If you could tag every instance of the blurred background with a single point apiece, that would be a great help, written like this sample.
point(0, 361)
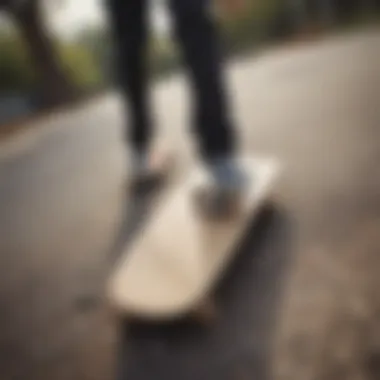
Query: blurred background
point(54, 52)
point(302, 300)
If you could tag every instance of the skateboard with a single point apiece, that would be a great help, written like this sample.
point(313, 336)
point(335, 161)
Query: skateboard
point(171, 267)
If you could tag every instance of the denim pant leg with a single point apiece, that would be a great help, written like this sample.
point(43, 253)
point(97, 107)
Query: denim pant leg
point(129, 24)
point(196, 32)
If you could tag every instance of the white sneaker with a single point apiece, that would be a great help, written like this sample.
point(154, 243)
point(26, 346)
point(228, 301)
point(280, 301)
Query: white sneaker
point(224, 198)
point(228, 177)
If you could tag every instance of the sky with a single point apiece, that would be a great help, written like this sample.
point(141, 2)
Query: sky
point(72, 15)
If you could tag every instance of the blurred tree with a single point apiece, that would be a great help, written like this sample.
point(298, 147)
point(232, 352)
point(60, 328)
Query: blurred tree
point(28, 17)
point(16, 74)
point(98, 42)
point(81, 67)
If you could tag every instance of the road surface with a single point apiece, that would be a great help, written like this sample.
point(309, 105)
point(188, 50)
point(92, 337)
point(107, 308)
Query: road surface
point(64, 214)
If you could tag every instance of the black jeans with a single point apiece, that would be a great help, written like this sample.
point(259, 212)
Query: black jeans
point(196, 34)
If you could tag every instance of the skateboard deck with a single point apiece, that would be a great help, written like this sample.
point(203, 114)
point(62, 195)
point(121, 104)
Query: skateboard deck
point(176, 259)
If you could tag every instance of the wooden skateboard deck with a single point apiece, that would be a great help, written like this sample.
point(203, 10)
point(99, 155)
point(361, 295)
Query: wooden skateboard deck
point(179, 255)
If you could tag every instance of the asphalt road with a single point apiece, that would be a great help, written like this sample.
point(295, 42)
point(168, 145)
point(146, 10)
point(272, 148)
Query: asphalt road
point(64, 216)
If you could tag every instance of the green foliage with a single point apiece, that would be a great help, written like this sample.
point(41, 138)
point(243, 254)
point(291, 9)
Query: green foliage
point(16, 68)
point(81, 66)
point(97, 41)
point(16, 73)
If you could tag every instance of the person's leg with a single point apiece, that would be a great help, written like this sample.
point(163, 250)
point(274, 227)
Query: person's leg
point(128, 19)
point(196, 33)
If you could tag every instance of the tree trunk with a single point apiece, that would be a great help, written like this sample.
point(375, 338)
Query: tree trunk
point(54, 86)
